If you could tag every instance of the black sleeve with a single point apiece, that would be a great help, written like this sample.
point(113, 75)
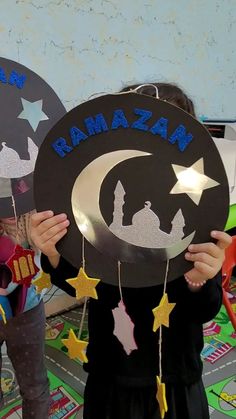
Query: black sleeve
point(203, 305)
point(59, 275)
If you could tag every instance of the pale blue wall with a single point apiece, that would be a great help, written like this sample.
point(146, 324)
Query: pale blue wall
point(84, 46)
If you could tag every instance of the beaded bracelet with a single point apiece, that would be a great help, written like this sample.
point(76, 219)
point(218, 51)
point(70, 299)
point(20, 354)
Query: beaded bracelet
point(195, 284)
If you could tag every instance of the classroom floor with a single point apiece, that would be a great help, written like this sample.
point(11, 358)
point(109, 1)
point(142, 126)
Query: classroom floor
point(68, 379)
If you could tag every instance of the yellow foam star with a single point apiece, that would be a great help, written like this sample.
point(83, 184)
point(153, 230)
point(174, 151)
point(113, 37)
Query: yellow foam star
point(161, 313)
point(42, 282)
point(3, 314)
point(161, 397)
point(75, 347)
point(84, 285)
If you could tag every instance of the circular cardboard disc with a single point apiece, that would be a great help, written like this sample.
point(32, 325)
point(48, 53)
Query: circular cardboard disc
point(139, 179)
point(28, 109)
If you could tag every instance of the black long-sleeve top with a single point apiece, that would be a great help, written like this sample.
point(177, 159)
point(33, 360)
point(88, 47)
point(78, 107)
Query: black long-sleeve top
point(182, 342)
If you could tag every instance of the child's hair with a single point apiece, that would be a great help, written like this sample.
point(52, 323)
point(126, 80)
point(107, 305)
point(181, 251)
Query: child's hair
point(166, 91)
point(19, 231)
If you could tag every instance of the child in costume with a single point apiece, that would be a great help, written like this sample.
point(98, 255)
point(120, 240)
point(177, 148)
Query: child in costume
point(122, 386)
point(22, 324)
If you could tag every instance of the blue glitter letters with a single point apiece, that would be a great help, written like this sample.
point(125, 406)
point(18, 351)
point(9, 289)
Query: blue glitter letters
point(61, 147)
point(3, 78)
point(119, 119)
point(77, 135)
point(181, 137)
point(144, 116)
point(96, 125)
point(16, 79)
point(160, 128)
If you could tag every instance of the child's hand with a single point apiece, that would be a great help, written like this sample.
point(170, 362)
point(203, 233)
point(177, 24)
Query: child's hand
point(46, 230)
point(207, 258)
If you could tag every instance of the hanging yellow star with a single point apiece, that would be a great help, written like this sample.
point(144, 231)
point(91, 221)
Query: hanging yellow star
point(161, 397)
point(84, 285)
point(75, 347)
point(161, 313)
point(3, 314)
point(42, 282)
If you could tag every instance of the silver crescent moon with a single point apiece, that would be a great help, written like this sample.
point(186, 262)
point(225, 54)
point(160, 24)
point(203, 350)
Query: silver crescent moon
point(88, 217)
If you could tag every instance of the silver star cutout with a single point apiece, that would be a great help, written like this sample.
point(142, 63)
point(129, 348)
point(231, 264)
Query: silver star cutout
point(32, 111)
point(192, 180)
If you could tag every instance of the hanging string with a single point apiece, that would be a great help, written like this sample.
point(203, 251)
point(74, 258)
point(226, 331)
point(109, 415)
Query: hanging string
point(140, 89)
point(119, 280)
point(86, 298)
point(166, 275)
point(16, 220)
point(160, 329)
point(95, 95)
point(83, 253)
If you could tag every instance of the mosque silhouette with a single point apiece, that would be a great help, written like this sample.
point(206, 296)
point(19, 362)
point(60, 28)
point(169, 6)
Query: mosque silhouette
point(145, 228)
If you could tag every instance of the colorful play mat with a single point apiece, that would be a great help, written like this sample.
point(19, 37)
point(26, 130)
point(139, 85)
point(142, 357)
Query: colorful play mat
point(67, 378)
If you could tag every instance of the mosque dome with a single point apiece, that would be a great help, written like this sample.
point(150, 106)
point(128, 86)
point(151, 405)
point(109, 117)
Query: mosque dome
point(146, 217)
point(11, 166)
point(7, 155)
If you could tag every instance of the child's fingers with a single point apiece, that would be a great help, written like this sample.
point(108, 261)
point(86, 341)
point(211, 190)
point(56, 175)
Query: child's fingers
point(39, 217)
point(209, 248)
point(206, 270)
point(195, 276)
point(214, 249)
point(223, 239)
point(201, 257)
point(47, 223)
point(200, 272)
point(47, 229)
point(53, 231)
point(207, 257)
point(55, 239)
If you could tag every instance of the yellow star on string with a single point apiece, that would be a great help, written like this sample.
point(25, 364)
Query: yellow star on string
point(3, 314)
point(161, 397)
point(75, 347)
point(42, 282)
point(84, 285)
point(161, 313)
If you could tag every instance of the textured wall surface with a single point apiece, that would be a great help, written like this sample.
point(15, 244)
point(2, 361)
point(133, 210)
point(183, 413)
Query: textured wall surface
point(85, 46)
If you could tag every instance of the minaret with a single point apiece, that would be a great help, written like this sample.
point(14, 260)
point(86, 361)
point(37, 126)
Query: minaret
point(119, 201)
point(178, 224)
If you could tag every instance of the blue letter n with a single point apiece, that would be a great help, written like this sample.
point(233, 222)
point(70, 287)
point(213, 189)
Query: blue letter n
point(181, 137)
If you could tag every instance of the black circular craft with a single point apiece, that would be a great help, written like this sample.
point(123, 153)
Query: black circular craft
point(140, 179)
point(29, 108)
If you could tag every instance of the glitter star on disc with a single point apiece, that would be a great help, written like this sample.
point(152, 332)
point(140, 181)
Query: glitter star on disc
point(192, 180)
point(84, 285)
point(162, 312)
point(76, 347)
point(32, 112)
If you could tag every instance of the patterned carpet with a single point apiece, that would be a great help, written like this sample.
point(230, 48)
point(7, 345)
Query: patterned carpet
point(67, 378)
point(219, 356)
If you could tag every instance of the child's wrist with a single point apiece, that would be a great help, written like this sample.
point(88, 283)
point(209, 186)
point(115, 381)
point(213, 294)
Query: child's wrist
point(54, 260)
point(194, 286)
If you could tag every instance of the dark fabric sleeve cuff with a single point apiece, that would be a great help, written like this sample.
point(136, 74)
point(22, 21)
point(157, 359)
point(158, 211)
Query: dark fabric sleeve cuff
point(59, 275)
point(205, 303)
